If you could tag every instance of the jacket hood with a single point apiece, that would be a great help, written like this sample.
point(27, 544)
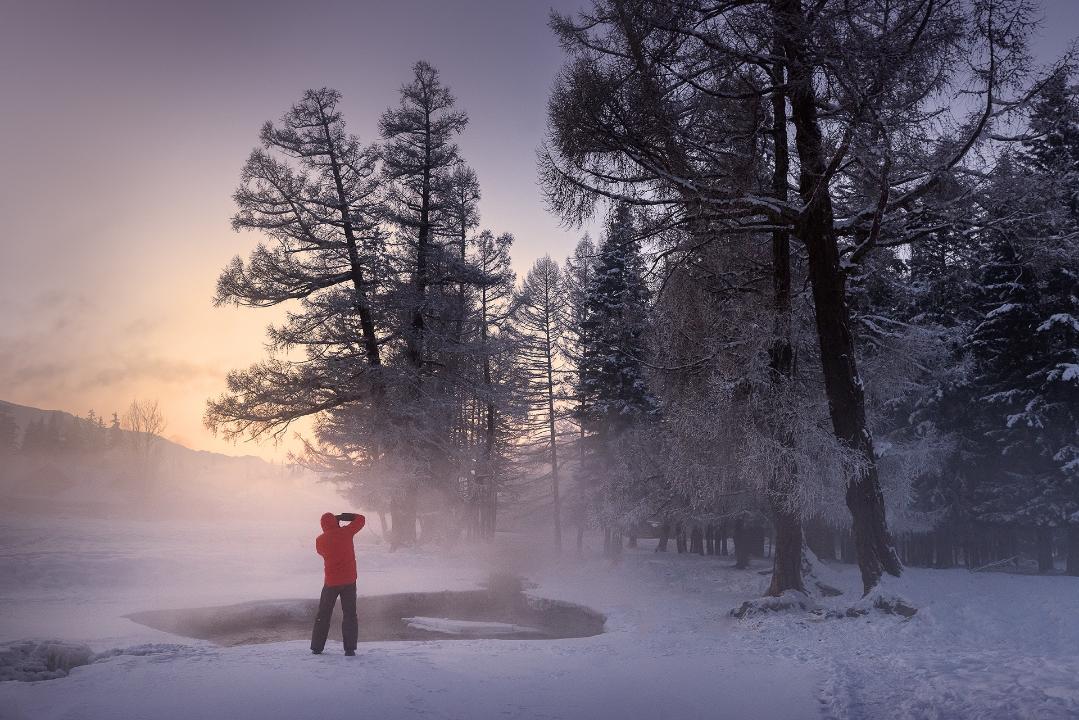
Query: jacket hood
point(329, 522)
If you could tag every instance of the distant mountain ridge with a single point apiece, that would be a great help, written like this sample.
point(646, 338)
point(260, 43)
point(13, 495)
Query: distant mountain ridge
point(23, 415)
point(112, 477)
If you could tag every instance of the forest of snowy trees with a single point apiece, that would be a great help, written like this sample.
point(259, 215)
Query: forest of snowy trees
point(833, 301)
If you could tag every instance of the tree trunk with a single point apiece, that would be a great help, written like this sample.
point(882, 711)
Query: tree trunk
point(664, 536)
point(756, 537)
point(552, 435)
point(787, 565)
point(1044, 539)
point(696, 540)
point(723, 550)
point(612, 544)
point(1073, 551)
point(741, 545)
point(944, 551)
point(787, 568)
point(680, 538)
point(815, 227)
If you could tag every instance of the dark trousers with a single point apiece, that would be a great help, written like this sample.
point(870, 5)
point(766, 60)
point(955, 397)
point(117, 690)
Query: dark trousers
point(349, 626)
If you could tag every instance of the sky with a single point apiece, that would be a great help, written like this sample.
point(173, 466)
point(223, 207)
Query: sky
point(122, 132)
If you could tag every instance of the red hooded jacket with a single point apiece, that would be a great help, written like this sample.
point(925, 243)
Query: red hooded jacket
point(335, 547)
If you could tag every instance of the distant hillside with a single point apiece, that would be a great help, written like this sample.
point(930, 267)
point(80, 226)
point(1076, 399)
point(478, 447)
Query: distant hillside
point(110, 478)
point(24, 415)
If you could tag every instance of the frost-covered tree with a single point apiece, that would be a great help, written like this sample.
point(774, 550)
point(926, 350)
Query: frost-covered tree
point(311, 190)
point(539, 321)
point(494, 349)
point(419, 154)
point(577, 276)
point(612, 386)
point(659, 105)
point(1005, 409)
point(1025, 345)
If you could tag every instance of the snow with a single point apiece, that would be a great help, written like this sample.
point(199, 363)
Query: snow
point(1064, 319)
point(449, 626)
point(46, 660)
point(1003, 309)
point(982, 645)
point(1069, 372)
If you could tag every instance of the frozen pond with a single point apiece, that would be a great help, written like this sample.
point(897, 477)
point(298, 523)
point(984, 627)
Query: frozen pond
point(502, 611)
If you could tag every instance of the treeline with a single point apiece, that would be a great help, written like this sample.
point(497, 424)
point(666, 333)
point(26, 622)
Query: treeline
point(59, 436)
point(864, 285)
point(836, 282)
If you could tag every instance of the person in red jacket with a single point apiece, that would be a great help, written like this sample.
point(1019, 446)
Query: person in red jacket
point(335, 547)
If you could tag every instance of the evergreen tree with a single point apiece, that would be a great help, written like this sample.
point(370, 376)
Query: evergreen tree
point(1026, 345)
point(114, 434)
point(612, 388)
point(418, 157)
point(539, 321)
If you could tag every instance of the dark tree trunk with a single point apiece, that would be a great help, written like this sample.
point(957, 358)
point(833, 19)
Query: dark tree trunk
point(614, 545)
point(846, 547)
point(787, 565)
point(710, 539)
point(680, 538)
point(696, 540)
point(741, 545)
point(552, 437)
point(1073, 551)
point(815, 227)
point(723, 550)
point(664, 536)
point(945, 550)
point(787, 568)
point(757, 538)
point(1044, 538)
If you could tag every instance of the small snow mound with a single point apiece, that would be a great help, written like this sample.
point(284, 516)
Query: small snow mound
point(885, 600)
point(788, 600)
point(30, 660)
point(819, 579)
point(147, 649)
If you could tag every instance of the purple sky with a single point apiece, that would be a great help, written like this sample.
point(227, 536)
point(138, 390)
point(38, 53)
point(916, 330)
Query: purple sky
point(123, 130)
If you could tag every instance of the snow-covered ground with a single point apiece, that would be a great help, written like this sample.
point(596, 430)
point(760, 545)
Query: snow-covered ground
point(981, 645)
